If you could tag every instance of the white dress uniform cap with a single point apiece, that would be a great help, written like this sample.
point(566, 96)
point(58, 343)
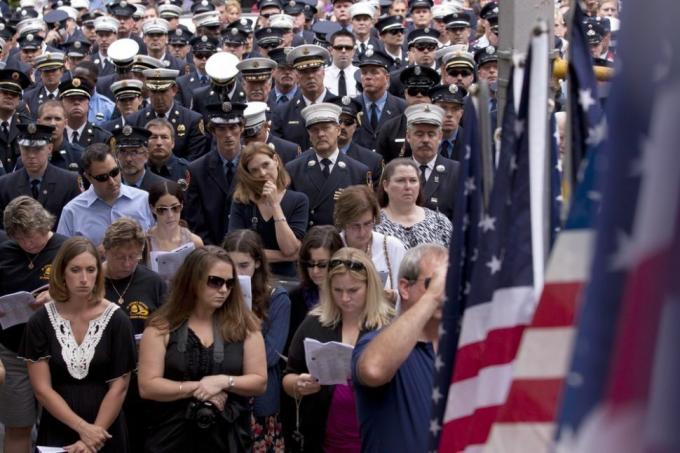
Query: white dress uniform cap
point(169, 10)
point(70, 10)
point(221, 67)
point(156, 25)
point(256, 69)
point(255, 113)
point(424, 114)
point(49, 60)
point(127, 88)
point(160, 79)
point(80, 4)
point(307, 56)
point(443, 9)
point(122, 51)
point(106, 23)
point(27, 4)
point(361, 9)
point(323, 112)
point(207, 19)
point(31, 25)
point(282, 21)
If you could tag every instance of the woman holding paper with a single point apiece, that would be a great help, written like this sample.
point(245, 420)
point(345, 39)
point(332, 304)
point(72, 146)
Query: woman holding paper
point(25, 265)
point(352, 303)
point(263, 203)
point(169, 233)
point(201, 358)
point(271, 305)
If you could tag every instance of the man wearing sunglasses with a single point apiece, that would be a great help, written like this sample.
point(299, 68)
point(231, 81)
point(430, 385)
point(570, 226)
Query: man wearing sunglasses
point(267, 9)
point(90, 213)
point(391, 30)
point(392, 137)
point(422, 46)
point(339, 78)
point(393, 368)
point(202, 48)
point(131, 151)
point(458, 67)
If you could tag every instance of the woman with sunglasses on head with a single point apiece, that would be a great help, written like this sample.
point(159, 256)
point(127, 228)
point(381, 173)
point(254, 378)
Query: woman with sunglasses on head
point(351, 304)
point(201, 357)
point(402, 216)
point(80, 353)
point(263, 203)
point(271, 305)
point(166, 200)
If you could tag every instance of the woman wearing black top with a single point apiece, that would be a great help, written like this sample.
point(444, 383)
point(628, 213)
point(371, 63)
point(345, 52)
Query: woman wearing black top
point(263, 203)
point(25, 265)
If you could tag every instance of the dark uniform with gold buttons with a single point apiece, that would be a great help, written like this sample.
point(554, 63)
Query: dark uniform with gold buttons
point(48, 61)
point(91, 132)
point(14, 82)
point(310, 175)
point(123, 89)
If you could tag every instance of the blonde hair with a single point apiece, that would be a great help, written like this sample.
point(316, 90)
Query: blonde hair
point(248, 187)
point(232, 4)
point(377, 311)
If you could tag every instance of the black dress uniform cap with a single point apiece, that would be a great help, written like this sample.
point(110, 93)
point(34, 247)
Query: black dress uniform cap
point(308, 56)
point(131, 137)
point(324, 30)
point(486, 55)
point(13, 81)
point(30, 41)
point(293, 7)
point(420, 4)
point(387, 23)
point(594, 31)
point(374, 57)
point(87, 19)
point(256, 69)
point(243, 24)
point(121, 8)
point(6, 31)
point(269, 37)
point(448, 93)
point(78, 48)
point(122, 52)
point(266, 3)
point(349, 106)
point(309, 9)
point(75, 87)
point(202, 6)
point(489, 12)
point(459, 19)
point(419, 76)
point(221, 68)
point(234, 34)
point(226, 112)
point(427, 34)
point(180, 35)
point(204, 44)
point(54, 4)
point(279, 56)
point(49, 60)
point(34, 135)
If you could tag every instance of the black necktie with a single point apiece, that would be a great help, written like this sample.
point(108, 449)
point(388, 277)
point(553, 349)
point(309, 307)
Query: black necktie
point(5, 130)
point(230, 173)
point(362, 48)
point(282, 99)
point(160, 115)
point(444, 149)
point(374, 116)
point(74, 137)
point(342, 84)
point(326, 167)
point(35, 188)
point(204, 80)
point(423, 168)
point(50, 96)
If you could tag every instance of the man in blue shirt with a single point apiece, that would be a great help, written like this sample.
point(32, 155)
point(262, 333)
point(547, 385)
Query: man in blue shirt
point(107, 199)
point(392, 369)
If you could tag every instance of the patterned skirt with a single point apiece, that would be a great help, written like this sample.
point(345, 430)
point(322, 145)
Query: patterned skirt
point(267, 434)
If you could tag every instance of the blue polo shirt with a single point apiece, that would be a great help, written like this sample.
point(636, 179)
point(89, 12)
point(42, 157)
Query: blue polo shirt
point(396, 416)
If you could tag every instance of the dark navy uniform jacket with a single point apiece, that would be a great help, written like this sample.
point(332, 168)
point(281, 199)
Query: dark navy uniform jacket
point(148, 180)
point(365, 135)
point(91, 134)
point(66, 157)
point(439, 192)
point(371, 159)
point(35, 97)
point(190, 138)
point(287, 121)
point(57, 188)
point(207, 95)
point(9, 150)
point(286, 150)
point(175, 169)
point(307, 177)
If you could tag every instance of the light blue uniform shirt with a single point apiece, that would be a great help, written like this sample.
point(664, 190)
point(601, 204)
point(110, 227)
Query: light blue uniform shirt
point(101, 109)
point(88, 215)
point(380, 103)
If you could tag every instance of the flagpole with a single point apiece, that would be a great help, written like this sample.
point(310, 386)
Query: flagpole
point(481, 101)
point(568, 179)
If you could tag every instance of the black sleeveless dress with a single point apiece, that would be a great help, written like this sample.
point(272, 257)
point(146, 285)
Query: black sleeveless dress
point(172, 427)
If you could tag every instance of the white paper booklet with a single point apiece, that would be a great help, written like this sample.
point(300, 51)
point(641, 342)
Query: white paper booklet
point(17, 308)
point(166, 264)
point(329, 362)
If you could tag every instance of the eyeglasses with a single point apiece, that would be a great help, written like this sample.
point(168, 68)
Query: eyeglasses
point(176, 208)
point(418, 91)
point(424, 47)
point(269, 45)
point(340, 48)
point(459, 72)
point(202, 55)
point(426, 281)
point(313, 264)
point(347, 122)
point(216, 282)
point(134, 152)
point(396, 31)
point(349, 264)
point(105, 176)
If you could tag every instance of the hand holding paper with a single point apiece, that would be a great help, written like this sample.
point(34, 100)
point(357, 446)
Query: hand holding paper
point(328, 362)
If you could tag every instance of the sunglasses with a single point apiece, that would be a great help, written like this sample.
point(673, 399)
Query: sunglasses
point(340, 48)
point(349, 264)
point(313, 264)
point(459, 72)
point(396, 31)
point(131, 152)
point(424, 47)
point(216, 282)
point(176, 208)
point(202, 55)
point(346, 122)
point(269, 46)
point(417, 91)
point(105, 176)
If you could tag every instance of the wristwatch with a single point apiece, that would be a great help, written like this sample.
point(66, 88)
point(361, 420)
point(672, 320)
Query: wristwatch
point(231, 382)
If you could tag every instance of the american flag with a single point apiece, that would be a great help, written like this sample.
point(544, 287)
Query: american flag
point(621, 392)
point(501, 296)
point(526, 423)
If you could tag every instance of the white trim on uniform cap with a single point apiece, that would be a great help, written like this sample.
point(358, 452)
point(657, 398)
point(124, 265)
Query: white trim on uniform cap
point(361, 9)
point(323, 112)
point(255, 113)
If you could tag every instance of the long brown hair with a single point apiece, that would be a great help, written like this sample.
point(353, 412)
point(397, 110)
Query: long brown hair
point(249, 188)
point(71, 248)
point(233, 317)
point(249, 242)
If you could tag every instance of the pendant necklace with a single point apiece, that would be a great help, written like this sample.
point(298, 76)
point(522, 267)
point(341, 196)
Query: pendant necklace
point(32, 260)
point(121, 296)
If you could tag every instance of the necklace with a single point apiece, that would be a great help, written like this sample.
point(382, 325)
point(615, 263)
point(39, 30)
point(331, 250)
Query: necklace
point(32, 260)
point(121, 296)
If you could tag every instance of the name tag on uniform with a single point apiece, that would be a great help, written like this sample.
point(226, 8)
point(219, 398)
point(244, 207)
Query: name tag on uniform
point(399, 140)
point(293, 122)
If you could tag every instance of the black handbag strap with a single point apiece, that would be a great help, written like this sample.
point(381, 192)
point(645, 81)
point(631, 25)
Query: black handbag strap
point(218, 341)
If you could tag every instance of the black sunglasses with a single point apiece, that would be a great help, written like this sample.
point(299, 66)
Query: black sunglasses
point(269, 46)
point(216, 282)
point(424, 47)
point(340, 48)
point(461, 72)
point(396, 31)
point(105, 176)
point(312, 264)
point(349, 264)
point(202, 55)
point(347, 122)
point(416, 91)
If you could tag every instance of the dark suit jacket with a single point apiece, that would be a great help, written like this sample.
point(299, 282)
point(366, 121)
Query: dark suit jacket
point(58, 187)
point(35, 97)
point(286, 150)
point(113, 124)
point(307, 177)
point(365, 135)
point(9, 150)
point(391, 142)
point(104, 85)
point(439, 193)
point(190, 138)
point(208, 199)
point(207, 95)
point(91, 134)
point(371, 159)
point(287, 121)
point(149, 179)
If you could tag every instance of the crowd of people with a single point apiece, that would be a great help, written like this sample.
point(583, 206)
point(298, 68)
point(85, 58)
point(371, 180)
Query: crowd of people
point(305, 164)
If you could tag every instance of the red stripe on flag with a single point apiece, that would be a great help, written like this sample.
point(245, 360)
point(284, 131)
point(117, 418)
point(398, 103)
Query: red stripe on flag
point(557, 305)
point(463, 432)
point(531, 401)
point(499, 347)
